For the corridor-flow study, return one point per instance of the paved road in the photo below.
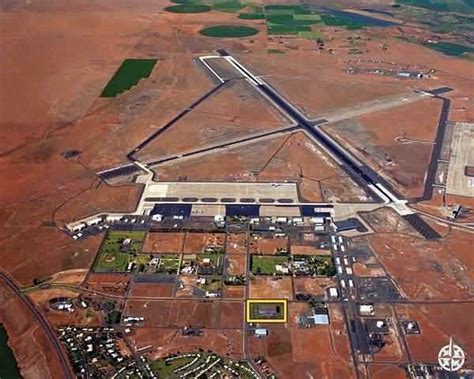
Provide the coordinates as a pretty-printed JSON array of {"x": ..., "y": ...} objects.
[{"x": 43, "y": 324}]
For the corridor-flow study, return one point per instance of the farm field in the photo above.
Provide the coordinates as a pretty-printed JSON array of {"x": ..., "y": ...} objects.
[
  {"x": 130, "y": 72},
  {"x": 228, "y": 31}
]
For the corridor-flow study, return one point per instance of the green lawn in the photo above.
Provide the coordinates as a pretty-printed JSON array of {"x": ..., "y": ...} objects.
[
  {"x": 188, "y": 8},
  {"x": 214, "y": 257},
  {"x": 113, "y": 242},
  {"x": 228, "y": 31},
  {"x": 129, "y": 74},
  {"x": 165, "y": 370},
  {"x": 169, "y": 263},
  {"x": 113, "y": 262},
  {"x": 265, "y": 264}
]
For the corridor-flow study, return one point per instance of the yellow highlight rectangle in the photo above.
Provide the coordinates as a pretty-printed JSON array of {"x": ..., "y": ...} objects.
[{"x": 248, "y": 317}]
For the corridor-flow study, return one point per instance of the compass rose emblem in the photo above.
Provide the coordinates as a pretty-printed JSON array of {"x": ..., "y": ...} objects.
[{"x": 451, "y": 357}]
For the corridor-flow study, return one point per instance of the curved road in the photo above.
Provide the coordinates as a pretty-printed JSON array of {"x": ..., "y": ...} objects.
[{"x": 50, "y": 334}]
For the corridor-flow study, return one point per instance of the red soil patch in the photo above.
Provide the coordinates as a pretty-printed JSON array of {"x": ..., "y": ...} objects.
[
  {"x": 197, "y": 242},
  {"x": 307, "y": 250},
  {"x": 313, "y": 286},
  {"x": 236, "y": 243},
  {"x": 387, "y": 371},
  {"x": 113, "y": 284},
  {"x": 234, "y": 111},
  {"x": 181, "y": 313},
  {"x": 153, "y": 290},
  {"x": 164, "y": 242},
  {"x": 233, "y": 292},
  {"x": 438, "y": 322},
  {"x": 267, "y": 246},
  {"x": 169, "y": 341},
  {"x": 444, "y": 264},
  {"x": 235, "y": 264},
  {"x": 269, "y": 287}
]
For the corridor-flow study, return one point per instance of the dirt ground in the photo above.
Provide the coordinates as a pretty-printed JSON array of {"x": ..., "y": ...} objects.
[
  {"x": 292, "y": 157},
  {"x": 226, "y": 342},
  {"x": 181, "y": 313},
  {"x": 152, "y": 290},
  {"x": 69, "y": 277},
  {"x": 313, "y": 286},
  {"x": 188, "y": 282},
  {"x": 234, "y": 111},
  {"x": 307, "y": 250},
  {"x": 233, "y": 292},
  {"x": 236, "y": 243},
  {"x": 287, "y": 350},
  {"x": 401, "y": 149},
  {"x": 80, "y": 316},
  {"x": 366, "y": 269},
  {"x": 196, "y": 242},
  {"x": 386, "y": 220},
  {"x": 164, "y": 242},
  {"x": 444, "y": 264},
  {"x": 387, "y": 371},
  {"x": 438, "y": 322},
  {"x": 267, "y": 246},
  {"x": 34, "y": 353},
  {"x": 52, "y": 106},
  {"x": 269, "y": 287},
  {"x": 113, "y": 284},
  {"x": 235, "y": 264}
]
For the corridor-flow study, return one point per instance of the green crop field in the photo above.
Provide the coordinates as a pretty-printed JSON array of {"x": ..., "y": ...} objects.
[
  {"x": 311, "y": 35},
  {"x": 451, "y": 49},
  {"x": 228, "y": 31},
  {"x": 228, "y": 6},
  {"x": 287, "y": 29},
  {"x": 252, "y": 16},
  {"x": 461, "y": 6},
  {"x": 188, "y": 8},
  {"x": 129, "y": 74},
  {"x": 265, "y": 264}
]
